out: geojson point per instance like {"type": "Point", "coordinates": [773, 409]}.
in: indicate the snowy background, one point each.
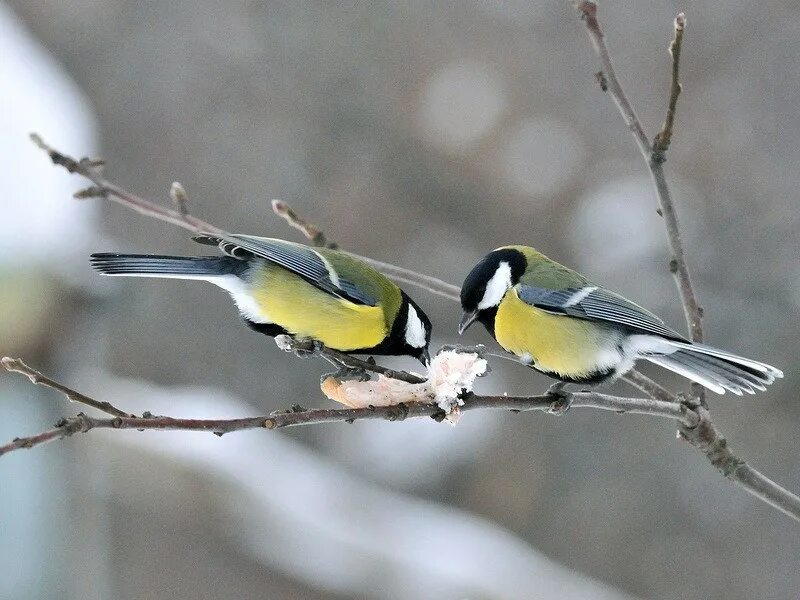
{"type": "Point", "coordinates": [425, 134]}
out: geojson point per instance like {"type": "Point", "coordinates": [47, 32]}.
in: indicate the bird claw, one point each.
{"type": "Point", "coordinates": [302, 347]}
{"type": "Point", "coordinates": [348, 374]}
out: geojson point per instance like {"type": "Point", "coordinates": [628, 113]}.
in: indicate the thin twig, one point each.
{"type": "Point", "coordinates": [649, 387]}
{"type": "Point", "coordinates": [106, 189]}
{"type": "Point", "coordinates": [16, 365]}
{"type": "Point", "coordinates": [88, 168]}
{"type": "Point", "coordinates": [677, 264]}
{"type": "Point", "coordinates": [315, 235]}
{"type": "Point", "coordinates": [609, 81]}
{"type": "Point", "coordinates": [356, 363]}
{"type": "Point", "coordinates": [310, 347]}
{"type": "Point", "coordinates": [703, 434]}
{"type": "Point", "coordinates": [664, 137]}
{"type": "Point", "coordinates": [179, 197]}
{"type": "Point", "coordinates": [658, 155]}
{"type": "Point", "coordinates": [420, 280]}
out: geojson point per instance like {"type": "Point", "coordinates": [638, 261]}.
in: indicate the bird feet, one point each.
{"type": "Point", "coordinates": [346, 373]}
{"type": "Point", "coordinates": [300, 347]}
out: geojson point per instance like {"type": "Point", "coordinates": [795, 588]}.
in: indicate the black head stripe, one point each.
{"type": "Point", "coordinates": [395, 343]}
{"type": "Point", "coordinates": [474, 286]}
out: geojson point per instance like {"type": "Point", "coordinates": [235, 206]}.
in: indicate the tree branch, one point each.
{"type": "Point", "coordinates": [15, 365]}
{"type": "Point", "coordinates": [649, 387]}
{"type": "Point", "coordinates": [306, 347]}
{"type": "Point", "coordinates": [83, 423]}
{"type": "Point", "coordinates": [90, 169]}
{"type": "Point", "coordinates": [678, 267]}
{"type": "Point", "coordinates": [664, 137]}
{"type": "Point", "coordinates": [315, 235]}
{"type": "Point", "coordinates": [703, 434]}
{"type": "Point", "coordinates": [693, 420]}
{"type": "Point", "coordinates": [608, 76]}
{"type": "Point", "coordinates": [103, 188]}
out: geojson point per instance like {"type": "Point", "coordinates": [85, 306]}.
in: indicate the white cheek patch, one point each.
{"type": "Point", "coordinates": [415, 330]}
{"type": "Point", "coordinates": [497, 287]}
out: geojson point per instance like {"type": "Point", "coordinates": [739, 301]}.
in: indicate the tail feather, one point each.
{"type": "Point", "coordinates": [667, 362]}
{"type": "Point", "coordinates": [748, 364]}
{"type": "Point", "coordinates": [178, 267]}
{"type": "Point", "coordinates": [716, 369]}
{"type": "Point", "coordinates": [741, 374]}
{"type": "Point", "coordinates": [727, 376]}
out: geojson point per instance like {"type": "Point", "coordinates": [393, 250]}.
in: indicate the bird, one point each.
{"type": "Point", "coordinates": [558, 322]}
{"type": "Point", "coordinates": [282, 287]}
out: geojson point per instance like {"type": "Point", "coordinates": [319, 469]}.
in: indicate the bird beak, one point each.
{"type": "Point", "coordinates": [425, 358]}
{"type": "Point", "coordinates": [467, 320]}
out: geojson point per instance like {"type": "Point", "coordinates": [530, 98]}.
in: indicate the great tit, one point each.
{"type": "Point", "coordinates": [282, 287]}
{"type": "Point", "coordinates": [561, 324]}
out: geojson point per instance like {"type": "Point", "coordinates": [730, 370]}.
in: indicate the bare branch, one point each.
{"type": "Point", "coordinates": [313, 233]}
{"type": "Point", "coordinates": [664, 137]}
{"type": "Point", "coordinates": [694, 422]}
{"type": "Point", "coordinates": [317, 237]}
{"type": "Point", "coordinates": [310, 347]}
{"type": "Point", "coordinates": [649, 387]}
{"type": "Point", "coordinates": [302, 416]}
{"type": "Point", "coordinates": [87, 168]}
{"type": "Point", "coordinates": [707, 438]}
{"type": "Point", "coordinates": [179, 198]}
{"type": "Point", "coordinates": [15, 365]}
{"type": "Point", "coordinates": [654, 159]}
{"type": "Point", "coordinates": [106, 189]}
{"type": "Point", "coordinates": [420, 280]}
{"type": "Point", "coordinates": [608, 76]}
{"type": "Point", "coordinates": [702, 434]}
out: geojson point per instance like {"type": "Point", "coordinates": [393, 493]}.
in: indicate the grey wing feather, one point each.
{"type": "Point", "coordinates": [299, 259]}
{"type": "Point", "coordinates": [552, 300]}
{"type": "Point", "coordinates": [597, 304]}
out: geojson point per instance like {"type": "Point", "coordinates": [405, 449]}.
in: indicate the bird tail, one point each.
{"type": "Point", "coordinates": [175, 267]}
{"type": "Point", "coordinates": [716, 369]}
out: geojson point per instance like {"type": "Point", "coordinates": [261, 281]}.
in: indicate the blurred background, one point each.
{"type": "Point", "coordinates": [425, 134]}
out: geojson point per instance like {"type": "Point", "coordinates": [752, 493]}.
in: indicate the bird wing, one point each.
{"type": "Point", "coordinates": [297, 258]}
{"type": "Point", "coordinates": [597, 304]}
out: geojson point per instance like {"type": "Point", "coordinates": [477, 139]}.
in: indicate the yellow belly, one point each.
{"type": "Point", "coordinates": [557, 344]}
{"type": "Point", "coordinates": [306, 311]}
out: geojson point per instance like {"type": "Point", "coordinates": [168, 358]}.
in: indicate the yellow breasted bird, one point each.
{"type": "Point", "coordinates": [561, 324]}
{"type": "Point", "coordinates": [282, 287]}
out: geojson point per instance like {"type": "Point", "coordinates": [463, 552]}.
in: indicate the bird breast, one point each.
{"type": "Point", "coordinates": [558, 344]}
